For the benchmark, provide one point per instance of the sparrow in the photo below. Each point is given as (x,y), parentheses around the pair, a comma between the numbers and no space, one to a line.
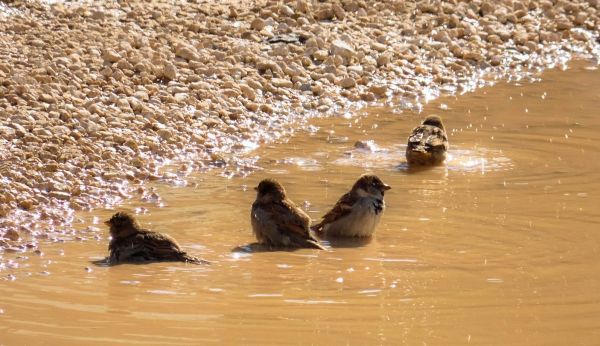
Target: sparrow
(131,243)
(277,222)
(428,143)
(356,213)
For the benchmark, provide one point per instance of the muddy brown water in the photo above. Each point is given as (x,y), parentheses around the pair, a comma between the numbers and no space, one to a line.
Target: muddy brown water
(499,246)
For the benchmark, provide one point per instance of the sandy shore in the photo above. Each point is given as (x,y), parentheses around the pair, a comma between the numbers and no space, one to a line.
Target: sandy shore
(96,97)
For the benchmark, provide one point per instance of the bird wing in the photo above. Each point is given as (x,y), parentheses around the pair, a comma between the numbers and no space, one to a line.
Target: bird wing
(427,138)
(339,210)
(283,223)
(290,219)
(165,248)
(146,246)
(296,223)
(162,245)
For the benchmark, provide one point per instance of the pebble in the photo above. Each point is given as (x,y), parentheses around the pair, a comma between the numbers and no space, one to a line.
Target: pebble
(378,90)
(281,83)
(12,235)
(257,24)
(347,82)
(343,49)
(169,71)
(111,55)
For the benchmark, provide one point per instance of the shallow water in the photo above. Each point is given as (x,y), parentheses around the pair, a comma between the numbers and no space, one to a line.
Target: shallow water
(499,246)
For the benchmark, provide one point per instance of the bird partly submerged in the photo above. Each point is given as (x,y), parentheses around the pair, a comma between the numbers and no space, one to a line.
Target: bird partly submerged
(277,222)
(358,212)
(428,143)
(130,243)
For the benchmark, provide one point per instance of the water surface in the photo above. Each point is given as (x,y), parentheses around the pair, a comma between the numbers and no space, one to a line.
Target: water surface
(499,246)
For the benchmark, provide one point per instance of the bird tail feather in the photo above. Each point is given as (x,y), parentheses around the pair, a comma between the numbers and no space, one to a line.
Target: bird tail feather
(193,260)
(314,244)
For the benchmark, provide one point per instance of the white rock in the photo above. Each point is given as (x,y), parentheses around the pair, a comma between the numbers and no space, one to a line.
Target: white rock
(64,196)
(282,83)
(111,55)
(286,11)
(345,50)
(378,46)
(320,55)
(187,52)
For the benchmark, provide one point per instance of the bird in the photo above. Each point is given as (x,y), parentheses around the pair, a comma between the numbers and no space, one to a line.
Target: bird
(428,143)
(357,212)
(130,243)
(277,222)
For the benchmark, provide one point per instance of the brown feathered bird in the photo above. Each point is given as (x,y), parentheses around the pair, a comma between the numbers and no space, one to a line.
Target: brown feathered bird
(357,212)
(428,143)
(277,222)
(131,243)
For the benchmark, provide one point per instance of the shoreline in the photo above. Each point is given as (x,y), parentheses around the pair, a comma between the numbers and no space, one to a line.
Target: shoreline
(96,99)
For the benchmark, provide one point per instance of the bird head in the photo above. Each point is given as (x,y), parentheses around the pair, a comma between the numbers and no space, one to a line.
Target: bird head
(269,189)
(370,184)
(434,120)
(122,224)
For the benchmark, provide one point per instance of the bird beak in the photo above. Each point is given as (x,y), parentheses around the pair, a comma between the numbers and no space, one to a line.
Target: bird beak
(107,222)
(256,189)
(386,187)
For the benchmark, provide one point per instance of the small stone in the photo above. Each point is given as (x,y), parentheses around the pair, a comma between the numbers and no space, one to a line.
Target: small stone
(47,98)
(252,106)
(169,71)
(27,204)
(320,55)
(580,18)
(378,90)
(257,24)
(12,234)
(324,13)
(378,46)
(282,83)
(286,11)
(64,196)
(7,132)
(562,23)
(187,53)
(111,55)
(487,8)
(496,60)
(384,59)
(473,56)
(4,210)
(248,92)
(368,97)
(442,36)
(338,11)
(347,82)
(164,134)
(266,108)
(345,50)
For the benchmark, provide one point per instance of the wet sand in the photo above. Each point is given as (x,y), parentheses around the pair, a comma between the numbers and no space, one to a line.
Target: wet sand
(500,246)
